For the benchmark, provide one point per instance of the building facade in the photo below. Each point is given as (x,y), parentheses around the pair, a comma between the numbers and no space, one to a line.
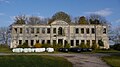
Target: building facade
(59,32)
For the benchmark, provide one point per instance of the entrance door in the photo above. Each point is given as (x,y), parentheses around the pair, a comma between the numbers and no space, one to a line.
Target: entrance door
(60,41)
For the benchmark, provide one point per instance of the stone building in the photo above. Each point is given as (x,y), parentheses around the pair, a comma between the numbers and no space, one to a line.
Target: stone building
(59,32)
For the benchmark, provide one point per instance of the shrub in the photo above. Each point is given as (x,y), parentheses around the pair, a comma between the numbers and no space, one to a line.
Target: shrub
(88,45)
(24,45)
(82,45)
(37,45)
(94,46)
(116,46)
(67,45)
(57,46)
(46,45)
(19,46)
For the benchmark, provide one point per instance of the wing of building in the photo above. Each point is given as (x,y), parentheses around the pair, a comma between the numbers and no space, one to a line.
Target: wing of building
(59,32)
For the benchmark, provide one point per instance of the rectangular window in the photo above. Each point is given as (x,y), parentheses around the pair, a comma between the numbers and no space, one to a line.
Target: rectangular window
(43,41)
(54,41)
(76,30)
(32,42)
(54,30)
(48,41)
(88,42)
(65,42)
(72,42)
(77,42)
(93,41)
(21,30)
(32,30)
(27,30)
(26,41)
(93,30)
(20,42)
(82,30)
(83,41)
(15,30)
(104,31)
(48,30)
(43,30)
(87,30)
(37,30)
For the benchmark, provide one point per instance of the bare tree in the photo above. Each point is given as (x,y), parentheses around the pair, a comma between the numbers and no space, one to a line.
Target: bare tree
(4,35)
(20,19)
(76,19)
(36,20)
(96,19)
(115,35)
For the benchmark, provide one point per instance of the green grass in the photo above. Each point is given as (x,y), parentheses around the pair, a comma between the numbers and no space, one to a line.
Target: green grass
(114,61)
(106,51)
(5,49)
(33,61)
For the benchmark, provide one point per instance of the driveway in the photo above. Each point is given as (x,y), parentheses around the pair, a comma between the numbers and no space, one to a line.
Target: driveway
(85,60)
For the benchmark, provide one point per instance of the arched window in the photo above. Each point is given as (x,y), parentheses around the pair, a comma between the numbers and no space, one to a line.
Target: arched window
(60,31)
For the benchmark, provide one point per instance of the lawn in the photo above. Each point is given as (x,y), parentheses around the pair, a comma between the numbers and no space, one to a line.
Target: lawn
(114,61)
(106,51)
(33,61)
(5,49)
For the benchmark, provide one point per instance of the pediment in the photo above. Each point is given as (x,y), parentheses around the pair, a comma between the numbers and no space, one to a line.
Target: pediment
(59,22)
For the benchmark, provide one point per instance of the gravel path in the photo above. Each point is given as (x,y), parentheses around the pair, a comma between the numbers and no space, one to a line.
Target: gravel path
(85,60)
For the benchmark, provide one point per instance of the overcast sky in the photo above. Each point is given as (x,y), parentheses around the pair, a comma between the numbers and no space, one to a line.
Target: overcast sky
(46,8)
